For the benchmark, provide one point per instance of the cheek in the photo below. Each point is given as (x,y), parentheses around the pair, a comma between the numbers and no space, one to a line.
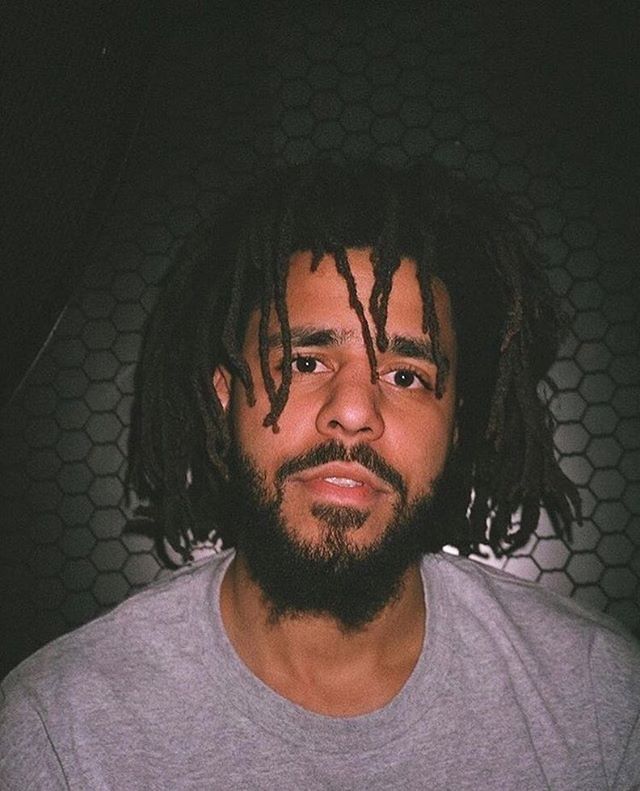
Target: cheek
(246,421)
(264,446)
(421,443)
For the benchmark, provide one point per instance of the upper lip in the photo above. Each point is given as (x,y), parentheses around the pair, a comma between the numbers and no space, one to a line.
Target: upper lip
(351,470)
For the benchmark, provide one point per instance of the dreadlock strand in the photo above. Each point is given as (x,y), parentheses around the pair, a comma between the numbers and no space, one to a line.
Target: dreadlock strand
(157,375)
(379,299)
(501,254)
(230,333)
(343,268)
(431,325)
(385,260)
(504,256)
(263,336)
(280,291)
(430,320)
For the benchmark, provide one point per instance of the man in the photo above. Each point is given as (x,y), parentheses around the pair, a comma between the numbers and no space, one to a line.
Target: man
(339,380)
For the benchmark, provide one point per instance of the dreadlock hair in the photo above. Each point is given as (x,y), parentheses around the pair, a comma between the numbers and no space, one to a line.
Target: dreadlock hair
(505,319)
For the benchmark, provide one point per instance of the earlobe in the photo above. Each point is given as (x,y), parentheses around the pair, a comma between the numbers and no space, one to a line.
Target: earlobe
(222,385)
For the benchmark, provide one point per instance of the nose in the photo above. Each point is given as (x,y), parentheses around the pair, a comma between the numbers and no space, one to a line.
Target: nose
(351,409)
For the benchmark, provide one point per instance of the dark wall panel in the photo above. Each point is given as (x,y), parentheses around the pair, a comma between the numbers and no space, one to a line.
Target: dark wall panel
(71,97)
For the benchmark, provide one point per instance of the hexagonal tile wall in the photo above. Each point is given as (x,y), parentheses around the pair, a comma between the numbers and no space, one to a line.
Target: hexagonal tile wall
(392,85)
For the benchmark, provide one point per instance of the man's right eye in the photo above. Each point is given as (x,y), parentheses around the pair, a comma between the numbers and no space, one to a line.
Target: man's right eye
(307,365)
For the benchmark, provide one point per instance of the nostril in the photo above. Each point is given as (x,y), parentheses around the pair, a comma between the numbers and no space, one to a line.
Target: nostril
(337,425)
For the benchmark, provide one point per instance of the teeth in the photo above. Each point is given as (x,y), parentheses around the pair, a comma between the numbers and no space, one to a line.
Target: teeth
(349,483)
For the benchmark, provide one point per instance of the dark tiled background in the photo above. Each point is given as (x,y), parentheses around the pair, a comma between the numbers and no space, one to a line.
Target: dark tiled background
(172,116)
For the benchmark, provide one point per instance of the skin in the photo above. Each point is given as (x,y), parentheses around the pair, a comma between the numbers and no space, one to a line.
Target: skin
(310,659)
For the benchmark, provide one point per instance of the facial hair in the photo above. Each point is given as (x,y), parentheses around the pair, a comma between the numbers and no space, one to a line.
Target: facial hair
(334,578)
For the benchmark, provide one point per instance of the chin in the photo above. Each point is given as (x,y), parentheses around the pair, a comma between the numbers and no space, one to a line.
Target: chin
(327,522)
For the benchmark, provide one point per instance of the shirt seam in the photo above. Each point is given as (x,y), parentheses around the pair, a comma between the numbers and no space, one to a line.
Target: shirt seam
(32,703)
(597,710)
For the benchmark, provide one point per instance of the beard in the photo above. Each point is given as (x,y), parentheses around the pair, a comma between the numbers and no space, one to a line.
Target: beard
(332,577)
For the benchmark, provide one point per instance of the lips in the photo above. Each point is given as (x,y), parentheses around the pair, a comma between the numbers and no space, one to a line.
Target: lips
(347,474)
(332,459)
(342,483)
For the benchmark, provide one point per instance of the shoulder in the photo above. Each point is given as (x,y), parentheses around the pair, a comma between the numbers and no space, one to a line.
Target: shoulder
(532,627)
(130,634)
(570,668)
(534,631)
(581,664)
(477,587)
(125,673)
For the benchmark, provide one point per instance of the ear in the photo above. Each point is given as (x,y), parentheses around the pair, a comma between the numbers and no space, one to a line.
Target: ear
(222,385)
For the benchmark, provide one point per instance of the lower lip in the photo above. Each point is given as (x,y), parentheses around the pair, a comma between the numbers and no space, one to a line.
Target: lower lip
(357,496)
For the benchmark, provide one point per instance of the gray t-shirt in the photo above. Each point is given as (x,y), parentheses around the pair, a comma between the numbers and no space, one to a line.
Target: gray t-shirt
(516,688)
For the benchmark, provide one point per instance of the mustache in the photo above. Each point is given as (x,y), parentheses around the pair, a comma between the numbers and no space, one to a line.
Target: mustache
(333,450)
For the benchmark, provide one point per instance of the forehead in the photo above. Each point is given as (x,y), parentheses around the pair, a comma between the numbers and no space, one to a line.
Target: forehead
(319,299)
(323,295)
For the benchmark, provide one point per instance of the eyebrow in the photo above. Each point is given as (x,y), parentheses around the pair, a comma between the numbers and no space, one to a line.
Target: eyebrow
(409,346)
(311,336)
(415,348)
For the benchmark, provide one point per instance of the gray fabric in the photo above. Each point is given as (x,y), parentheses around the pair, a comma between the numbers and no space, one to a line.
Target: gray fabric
(516,688)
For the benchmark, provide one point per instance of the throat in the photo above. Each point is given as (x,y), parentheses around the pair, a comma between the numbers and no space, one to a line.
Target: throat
(358,691)
(313,662)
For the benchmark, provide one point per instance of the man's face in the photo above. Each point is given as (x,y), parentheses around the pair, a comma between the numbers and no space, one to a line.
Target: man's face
(352,456)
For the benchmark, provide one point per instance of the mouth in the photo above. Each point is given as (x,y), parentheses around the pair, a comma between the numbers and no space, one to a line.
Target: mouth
(342,483)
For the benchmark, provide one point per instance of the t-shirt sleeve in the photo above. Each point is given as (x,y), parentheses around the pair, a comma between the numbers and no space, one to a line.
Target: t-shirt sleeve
(28,760)
(615,676)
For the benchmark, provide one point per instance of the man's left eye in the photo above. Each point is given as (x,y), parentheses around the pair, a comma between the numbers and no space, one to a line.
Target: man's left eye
(405,379)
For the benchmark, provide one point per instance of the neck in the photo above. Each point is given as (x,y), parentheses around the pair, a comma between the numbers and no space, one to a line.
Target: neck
(312,660)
